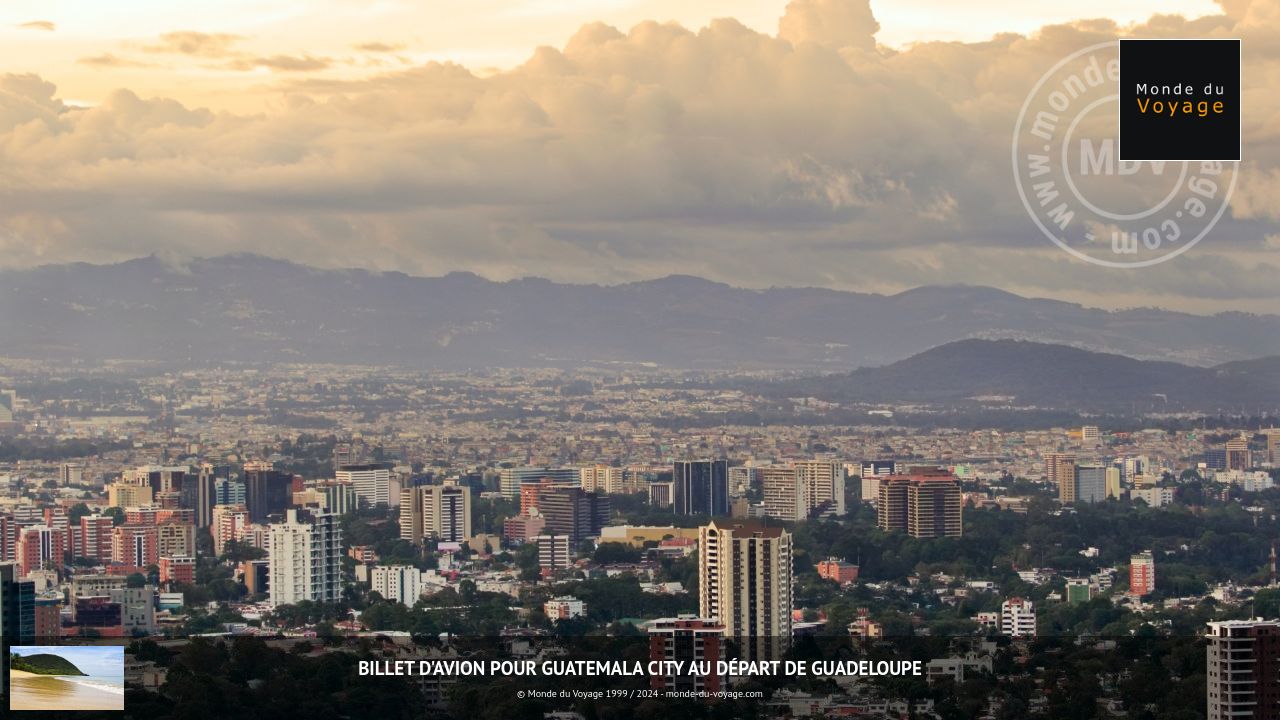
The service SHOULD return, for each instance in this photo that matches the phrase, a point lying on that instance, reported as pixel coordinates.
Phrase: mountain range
(253, 308)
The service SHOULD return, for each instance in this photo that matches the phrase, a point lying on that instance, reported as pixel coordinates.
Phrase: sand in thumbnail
(28, 691)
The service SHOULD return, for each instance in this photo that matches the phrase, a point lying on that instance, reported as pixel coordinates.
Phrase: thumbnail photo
(45, 677)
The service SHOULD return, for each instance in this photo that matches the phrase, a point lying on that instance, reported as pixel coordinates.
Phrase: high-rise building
(554, 553)
(371, 482)
(70, 474)
(331, 496)
(39, 546)
(701, 487)
(802, 490)
(686, 639)
(398, 583)
(1018, 618)
(1113, 482)
(1238, 454)
(442, 512)
(826, 483)
(925, 504)
(1242, 672)
(573, 512)
(601, 478)
(742, 479)
(744, 584)
(267, 491)
(17, 606)
(176, 539)
(135, 546)
(1091, 483)
(160, 478)
(1060, 472)
(228, 492)
(1142, 574)
(95, 537)
(123, 494)
(662, 494)
(206, 496)
(1273, 445)
(511, 480)
(785, 494)
(305, 557)
(230, 522)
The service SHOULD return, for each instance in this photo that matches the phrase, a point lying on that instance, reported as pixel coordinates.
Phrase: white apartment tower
(305, 559)
(744, 584)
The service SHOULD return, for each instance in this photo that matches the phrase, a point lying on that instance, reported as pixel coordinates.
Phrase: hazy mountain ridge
(1010, 372)
(246, 307)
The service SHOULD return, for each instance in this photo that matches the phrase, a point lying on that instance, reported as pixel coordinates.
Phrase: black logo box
(1192, 63)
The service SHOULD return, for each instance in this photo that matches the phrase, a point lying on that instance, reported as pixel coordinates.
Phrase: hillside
(251, 308)
(43, 664)
(975, 372)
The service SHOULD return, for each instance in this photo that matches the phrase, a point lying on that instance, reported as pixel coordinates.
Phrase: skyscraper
(39, 546)
(1242, 672)
(925, 504)
(510, 480)
(573, 512)
(1091, 483)
(802, 490)
(1060, 472)
(745, 576)
(1238, 454)
(371, 481)
(601, 478)
(305, 559)
(267, 491)
(785, 495)
(135, 546)
(17, 606)
(441, 511)
(207, 489)
(701, 487)
(95, 537)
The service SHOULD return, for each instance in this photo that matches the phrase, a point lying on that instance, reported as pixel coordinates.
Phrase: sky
(102, 661)
(833, 143)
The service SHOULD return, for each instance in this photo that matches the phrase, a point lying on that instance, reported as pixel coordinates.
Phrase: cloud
(108, 60)
(283, 63)
(44, 25)
(832, 23)
(199, 44)
(379, 47)
(809, 157)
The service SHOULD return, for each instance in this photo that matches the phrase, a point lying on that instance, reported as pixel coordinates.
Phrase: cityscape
(634, 359)
(301, 504)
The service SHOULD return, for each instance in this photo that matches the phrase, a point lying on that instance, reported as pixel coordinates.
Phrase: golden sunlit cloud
(804, 153)
(44, 25)
(186, 42)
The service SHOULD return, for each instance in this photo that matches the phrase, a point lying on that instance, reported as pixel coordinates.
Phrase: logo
(1082, 196)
